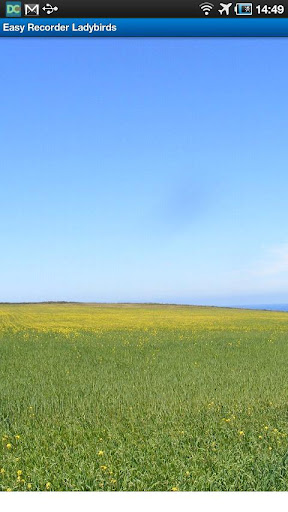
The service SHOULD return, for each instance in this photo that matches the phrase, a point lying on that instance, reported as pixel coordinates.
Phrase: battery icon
(243, 9)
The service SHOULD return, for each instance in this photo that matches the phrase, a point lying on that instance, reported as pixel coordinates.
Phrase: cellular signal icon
(206, 7)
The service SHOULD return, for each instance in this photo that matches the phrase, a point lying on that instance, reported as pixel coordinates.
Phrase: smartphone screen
(144, 249)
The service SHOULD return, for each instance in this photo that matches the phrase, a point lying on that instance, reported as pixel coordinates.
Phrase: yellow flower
(266, 428)
(2, 471)
(48, 486)
(29, 486)
(187, 473)
(260, 437)
(17, 436)
(175, 489)
(100, 453)
(5, 438)
(8, 489)
(19, 472)
(241, 433)
(9, 446)
(103, 468)
(270, 447)
(113, 481)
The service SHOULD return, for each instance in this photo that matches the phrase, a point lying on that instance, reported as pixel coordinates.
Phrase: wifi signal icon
(206, 7)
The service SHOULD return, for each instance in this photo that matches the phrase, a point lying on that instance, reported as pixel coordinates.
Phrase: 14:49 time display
(270, 9)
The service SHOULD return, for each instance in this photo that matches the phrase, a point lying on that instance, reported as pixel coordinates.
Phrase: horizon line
(249, 307)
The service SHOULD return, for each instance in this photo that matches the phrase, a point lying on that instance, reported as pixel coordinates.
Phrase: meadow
(142, 398)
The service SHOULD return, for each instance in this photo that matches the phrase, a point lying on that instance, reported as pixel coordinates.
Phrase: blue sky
(144, 170)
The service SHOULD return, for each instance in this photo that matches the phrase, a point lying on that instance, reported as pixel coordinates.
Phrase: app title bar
(141, 27)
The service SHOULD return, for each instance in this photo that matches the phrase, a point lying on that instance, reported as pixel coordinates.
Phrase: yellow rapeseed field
(142, 397)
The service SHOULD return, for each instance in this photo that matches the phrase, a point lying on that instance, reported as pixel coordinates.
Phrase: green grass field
(143, 398)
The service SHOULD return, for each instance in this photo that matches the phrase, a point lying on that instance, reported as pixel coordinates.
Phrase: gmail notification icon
(31, 9)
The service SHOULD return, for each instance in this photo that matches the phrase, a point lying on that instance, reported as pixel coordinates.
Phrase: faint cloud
(275, 261)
